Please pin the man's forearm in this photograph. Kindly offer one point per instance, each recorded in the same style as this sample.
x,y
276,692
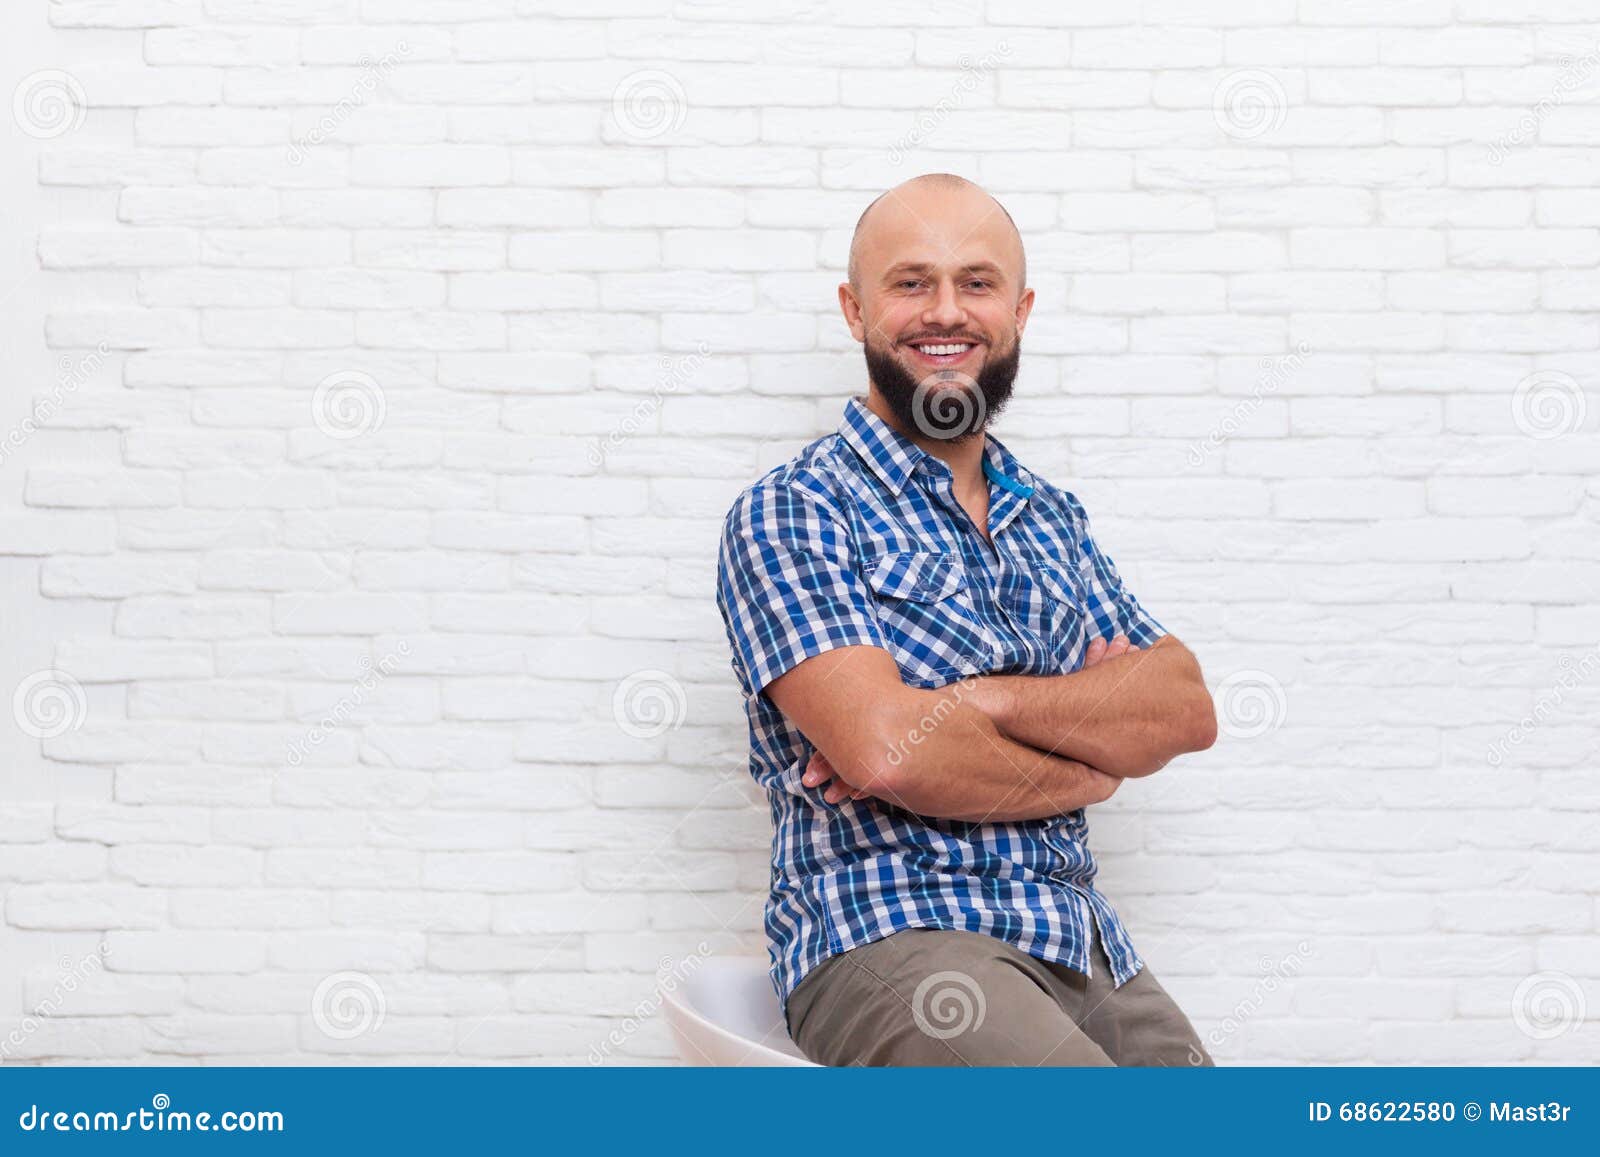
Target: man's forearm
x,y
1126,716
966,769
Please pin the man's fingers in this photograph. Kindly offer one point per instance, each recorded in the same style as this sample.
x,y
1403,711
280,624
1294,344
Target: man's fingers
x,y
819,771
1101,649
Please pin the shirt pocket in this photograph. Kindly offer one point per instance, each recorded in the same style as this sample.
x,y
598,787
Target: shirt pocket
x,y
1065,613
928,615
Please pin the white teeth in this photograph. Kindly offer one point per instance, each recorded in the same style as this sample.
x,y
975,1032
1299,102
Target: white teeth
x,y
942,350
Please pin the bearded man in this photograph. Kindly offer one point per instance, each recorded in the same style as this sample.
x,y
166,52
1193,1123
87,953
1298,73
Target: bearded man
x,y
942,670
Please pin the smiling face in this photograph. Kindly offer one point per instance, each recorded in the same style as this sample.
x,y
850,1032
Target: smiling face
x,y
937,298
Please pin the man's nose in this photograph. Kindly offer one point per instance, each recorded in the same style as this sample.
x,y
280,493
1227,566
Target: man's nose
x,y
945,310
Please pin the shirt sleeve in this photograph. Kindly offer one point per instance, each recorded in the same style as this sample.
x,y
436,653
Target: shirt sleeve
x,y
1111,606
786,584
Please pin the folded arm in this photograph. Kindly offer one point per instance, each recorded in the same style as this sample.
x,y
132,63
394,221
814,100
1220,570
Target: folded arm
x,y
931,752
1128,715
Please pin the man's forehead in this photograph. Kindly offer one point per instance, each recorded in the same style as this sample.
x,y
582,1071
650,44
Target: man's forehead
x,y
937,229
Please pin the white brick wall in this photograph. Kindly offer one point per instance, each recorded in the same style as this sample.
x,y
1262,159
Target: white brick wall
x,y
1316,343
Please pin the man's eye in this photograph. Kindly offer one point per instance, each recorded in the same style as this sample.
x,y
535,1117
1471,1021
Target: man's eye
x,y
979,283
908,284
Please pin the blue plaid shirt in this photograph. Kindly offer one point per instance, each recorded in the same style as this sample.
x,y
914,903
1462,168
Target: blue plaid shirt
x,y
860,541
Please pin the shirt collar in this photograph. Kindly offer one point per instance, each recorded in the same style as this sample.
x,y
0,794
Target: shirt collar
x,y
891,456
894,457
1001,467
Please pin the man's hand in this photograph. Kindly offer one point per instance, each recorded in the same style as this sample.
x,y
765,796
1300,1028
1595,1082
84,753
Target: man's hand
x,y
819,771
1100,649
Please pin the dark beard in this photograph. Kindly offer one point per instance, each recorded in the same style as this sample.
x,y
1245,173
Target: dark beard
x,y
949,413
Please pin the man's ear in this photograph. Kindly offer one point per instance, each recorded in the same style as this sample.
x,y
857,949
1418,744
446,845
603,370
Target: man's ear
x,y
850,306
1024,308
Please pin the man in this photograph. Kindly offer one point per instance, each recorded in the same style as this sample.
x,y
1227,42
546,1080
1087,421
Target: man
x,y
942,671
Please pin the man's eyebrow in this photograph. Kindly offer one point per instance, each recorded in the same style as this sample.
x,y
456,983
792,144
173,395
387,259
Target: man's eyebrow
x,y
923,267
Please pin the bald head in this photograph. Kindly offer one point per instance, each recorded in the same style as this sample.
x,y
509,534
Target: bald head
x,y
935,213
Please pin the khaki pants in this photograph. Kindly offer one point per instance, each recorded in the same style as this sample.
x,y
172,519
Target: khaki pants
x,y
936,997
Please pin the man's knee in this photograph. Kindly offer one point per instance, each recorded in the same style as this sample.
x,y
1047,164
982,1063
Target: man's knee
x,y
926,997
1140,1024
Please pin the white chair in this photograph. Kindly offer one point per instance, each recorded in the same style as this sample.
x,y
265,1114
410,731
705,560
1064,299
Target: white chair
x,y
724,1014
